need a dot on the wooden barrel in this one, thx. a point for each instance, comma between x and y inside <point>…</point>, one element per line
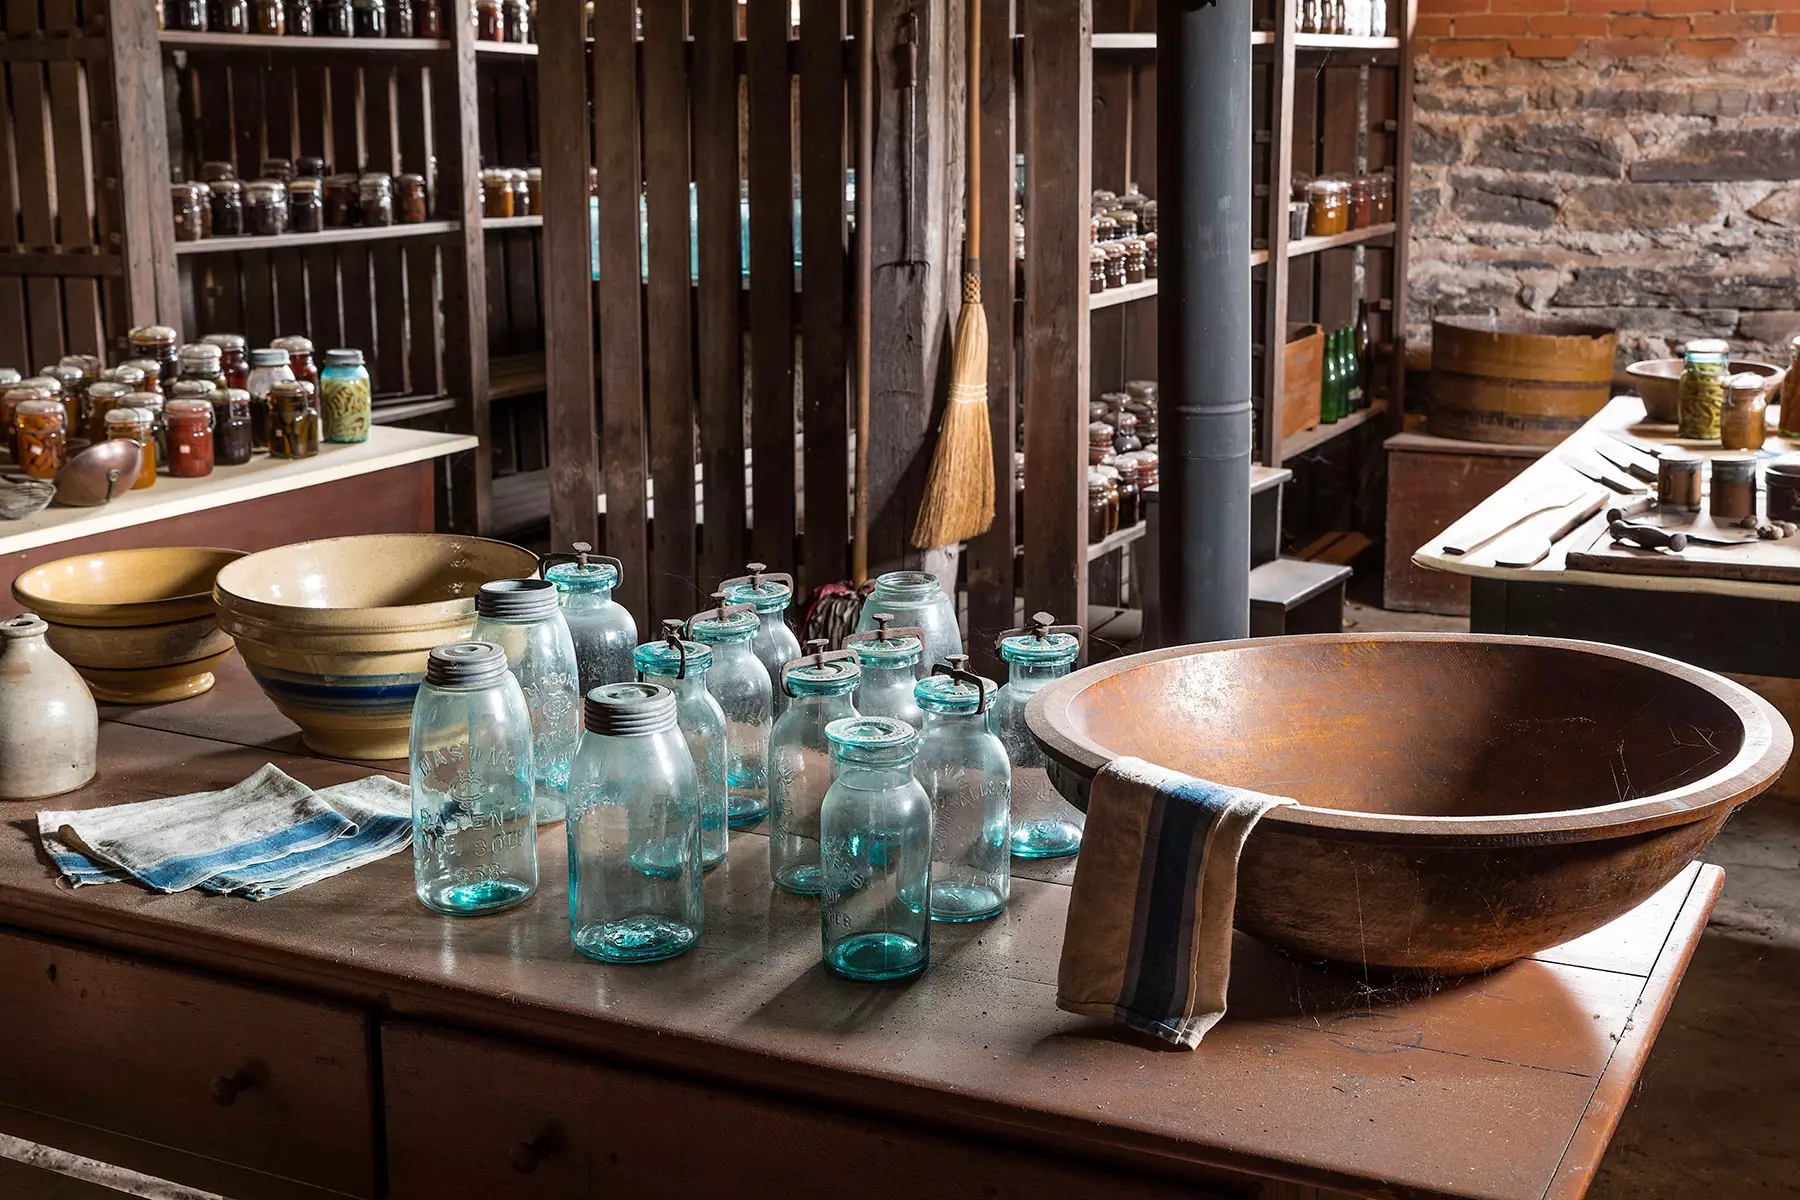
<point>1517,379</point>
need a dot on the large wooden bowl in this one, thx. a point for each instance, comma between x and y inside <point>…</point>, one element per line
<point>1465,800</point>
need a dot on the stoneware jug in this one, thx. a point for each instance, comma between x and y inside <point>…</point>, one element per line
<point>49,726</point>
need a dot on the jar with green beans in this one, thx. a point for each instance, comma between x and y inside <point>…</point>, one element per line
<point>344,397</point>
<point>1703,388</point>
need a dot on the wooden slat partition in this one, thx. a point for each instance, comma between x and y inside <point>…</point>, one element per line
<point>771,173</point>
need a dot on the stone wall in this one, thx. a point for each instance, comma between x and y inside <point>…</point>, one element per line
<point>1640,168</point>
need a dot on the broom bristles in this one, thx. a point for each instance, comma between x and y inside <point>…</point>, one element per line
<point>959,489</point>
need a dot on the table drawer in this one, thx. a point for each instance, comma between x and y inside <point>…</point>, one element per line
<point>526,1125</point>
<point>174,1060</point>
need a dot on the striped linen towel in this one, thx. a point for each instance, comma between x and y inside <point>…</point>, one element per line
<point>262,837</point>
<point>1148,939</point>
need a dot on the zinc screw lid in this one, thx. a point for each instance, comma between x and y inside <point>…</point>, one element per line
<point>628,710</point>
<point>517,600</point>
<point>465,665</point>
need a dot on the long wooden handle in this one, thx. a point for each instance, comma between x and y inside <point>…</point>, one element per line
<point>972,248</point>
<point>865,281</point>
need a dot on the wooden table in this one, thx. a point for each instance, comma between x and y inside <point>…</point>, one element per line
<point>383,485</point>
<point>1722,624</point>
<point>369,1048</point>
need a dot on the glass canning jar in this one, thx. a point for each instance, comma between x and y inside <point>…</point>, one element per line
<point>345,406</point>
<point>40,438</point>
<point>515,21</point>
<point>740,683</point>
<point>769,594</point>
<point>227,198</point>
<point>293,420</point>
<point>875,839</point>
<point>634,829</point>
<point>490,16</point>
<point>1702,388</point>
<point>498,198</point>
<point>523,618</point>
<point>963,768</point>
<point>400,19</point>
<point>681,666</point>
<point>428,19</point>
<point>234,362</point>
<point>103,395</point>
<point>1327,207</point>
<point>819,688</point>
<point>231,427</point>
<point>474,849</point>
<point>604,631</point>
<point>889,658</point>
<point>152,404</point>
<point>410,193</point>
<point>528,200</point>
<point>267,368</point>
<point>188,16</point>
<point>370,18</point>
<point>135,424</point>
<point>188,200</point>
<point>228,16</point>
<point>337,18</point>
<point>914,598</point>
<point>1035,655</point>
<point>341,210</point>
<point>302,19</point>
<point>190,437</point>
<point>200,362</point>
<point>266,207</point>
<point>300,357</point>
<point>306,206</point>
<point>375,199</point>
<point>269,17</point>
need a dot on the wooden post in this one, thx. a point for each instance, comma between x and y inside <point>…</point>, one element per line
<point>568,287</point>
<point>1403,114</point>
<point>1058,89</point>
<point>1275,282</point>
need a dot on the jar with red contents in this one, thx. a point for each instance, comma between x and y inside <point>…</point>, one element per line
<point>234,361</point>
<point>428,19</point>
<point>300,358</point>
<point>1362,196</point>
<point>190,425</point>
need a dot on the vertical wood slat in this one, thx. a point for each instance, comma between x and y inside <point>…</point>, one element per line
<point>771,169</point>
<point>1403,108</point>
<point>138,107</point>
<point>720,342</point>
<point>620,297</point>
<point>465,305</point>
<point>989,567</point>
<point>246,84</point>
<point>823,310</point>
<point>568,291</point>
<point>258,296</point>
<point>388,360</point>
<point>349,137</point>
<point>668,301</point>
<point>36,178</point>
<point>71,127</point>
<point>424,332</point>
<point>1057,88</point>
<point>1274,316</point>
<point>14,347</point>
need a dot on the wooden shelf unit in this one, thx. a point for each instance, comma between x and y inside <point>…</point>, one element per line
<point>328,237</point>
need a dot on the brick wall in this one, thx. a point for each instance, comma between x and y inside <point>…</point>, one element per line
<point>1592,159</point>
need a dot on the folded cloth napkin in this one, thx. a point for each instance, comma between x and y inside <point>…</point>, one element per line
<point>263,837</point>
<point>1148,939</point>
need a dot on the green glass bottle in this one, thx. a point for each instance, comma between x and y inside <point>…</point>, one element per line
<point>1328,385</point>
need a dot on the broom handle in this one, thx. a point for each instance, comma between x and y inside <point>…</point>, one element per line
<point>865,282</point>
<point>972,247</point>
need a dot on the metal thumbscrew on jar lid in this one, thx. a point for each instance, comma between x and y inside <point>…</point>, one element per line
<point>517,599</point>
<point>465,665</point>
<point>628,710</point>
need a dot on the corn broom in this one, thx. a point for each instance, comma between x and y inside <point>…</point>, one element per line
<point>959,489</point>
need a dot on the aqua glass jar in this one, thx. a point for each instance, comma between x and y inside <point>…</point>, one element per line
<point>605,633</point>
<point>819,687</point>
<point>1041,652</point>
<point>914,598</point>
<point>741,685</point>
<point>875,838</point>
<point>962,767</point>
<point>522,617</point>
<point>346,397</point>
<point>889,658</point>
<point>634,829</point>
<point>681,667</point>
<point>770,595</point>
<point>474,848</point>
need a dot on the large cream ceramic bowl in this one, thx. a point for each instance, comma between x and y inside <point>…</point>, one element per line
<point>336,632</point>
<point>139,625</point>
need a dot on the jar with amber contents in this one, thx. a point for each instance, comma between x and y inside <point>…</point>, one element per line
<point>1789,424</point>
<point>1360,195</point>
<point>103,395</point>
<point>190,425</point>
<point>1096,268</point>
<point>341,210</point>
<point>293,421</point>
<point>428,19</point>
<point>189,205</point>
<point>140,375</point>
<point>156,343</point>
<point>497,193</point>
<point>529,201</point>
<point>1744,417</point>
<point>1102,506</point>
<point>410,193</point>
<point>269,17</point>
<point>1381,198</point>
<point>1135,266</point>
<point>21,393</point>
<point>135,425</point>
<point>300,357</point>
<point>1327,207</point>
<point>231,427</point>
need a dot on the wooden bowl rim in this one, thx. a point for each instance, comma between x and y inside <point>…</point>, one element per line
<point>370,618</point>
<point>123,613</point>
<point>1758,763</point>
<point>1645,368</point>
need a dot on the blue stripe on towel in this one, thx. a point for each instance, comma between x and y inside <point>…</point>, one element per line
<point>184,871</point>
<point>1174,852</point>
<point>371,839</point>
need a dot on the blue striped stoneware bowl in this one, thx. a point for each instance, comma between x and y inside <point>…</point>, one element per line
<point>336,632</point>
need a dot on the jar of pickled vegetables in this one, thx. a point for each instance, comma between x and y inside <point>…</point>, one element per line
<point>190,425</point>
<point>135,424</point>
<point>293,421</point>
<point>344,397</point>
<point>1702,388</point>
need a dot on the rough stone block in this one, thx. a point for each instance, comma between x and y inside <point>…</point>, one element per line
<point>1654,287</point>
<point>1771,328</point>
<point>1780,207</point>
<point>1566,148</point>
<point>1726,155</point>
<point>1520,202</point>
<point>1434,146</point>
<point>1621,207</point>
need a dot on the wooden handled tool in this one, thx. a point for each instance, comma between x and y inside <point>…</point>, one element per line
<point>1655,537</point>
<point>1600,473</point>
<point>1638,444</point>
<point>1491,527</point>
<point>1626,463</point>
<point>1528,548</point>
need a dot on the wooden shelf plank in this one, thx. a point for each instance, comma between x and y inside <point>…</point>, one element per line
<point>174,39</point>
<point>1124,295</point>
<point>1333,41</point>
<point>329,237</point>
<point>498,223</point>
<point>1124,41</point>
<point>1351,237</point>
<point>507,49</point>
<point>1318,435</point>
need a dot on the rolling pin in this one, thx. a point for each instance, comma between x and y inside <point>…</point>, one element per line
<point>1528,549</point>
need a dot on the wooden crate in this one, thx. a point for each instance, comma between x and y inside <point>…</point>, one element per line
<point>1303,375</point>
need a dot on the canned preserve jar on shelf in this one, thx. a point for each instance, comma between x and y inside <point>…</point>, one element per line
<point>523,617</point>
<point>228,16</point>
<point>769,593</point>
<point>300,357</point>
<point>306,206</point>
<point>269,17</point>
<point>964,770</point>
<point>103,395</point>
<point>345,405</point>
<point>190,437</point>
<point>515,21</point>
<point>819,688</point>
<point>914,598</point>
<point>266,208</point>
<point>337,18</point>
<point>375,199</point>
<point>1035,655</point>
<point>1327,207</point>
<point>474,848</point>
<point>267,369</point>
<point>134,424</point>
<point>231,427</point>
<point>681,666</point>
<point>604,631</point>
<point>410,199</point>
<point>634,830</point>
<point>190,204</point>
<point>293,420</point>
<point>301,18</point>
<point>227,199</point>
<point>889,658</point>
<point>741,684</point>
<point>370,18</point>
<point>341,211</point>
<point>875,839</point>
<point>490,21</point>
<point>234,361</point>
<point>428,19</point>
<point>40,438</point>
<point>497,195</point>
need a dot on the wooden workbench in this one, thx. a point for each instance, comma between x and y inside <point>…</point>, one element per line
<point>371,1048</point>
<point>1744,627</point>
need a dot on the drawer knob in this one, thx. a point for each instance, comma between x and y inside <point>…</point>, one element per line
<point>225,1088</point>
<point>525,1156</point>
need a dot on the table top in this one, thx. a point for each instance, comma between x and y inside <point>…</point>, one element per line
<point>263,475</point>
<point>1624,414</point>
<point>1419,442</point>
<point>1506,1086</point>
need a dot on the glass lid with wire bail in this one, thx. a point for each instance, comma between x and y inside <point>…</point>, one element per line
<point>582,571</point>
<point>673,657</point>
<point>724,624</point>
<point>769,591</point>
<point>887,646</point>
<point>957,691</point>
<point>1041,643</point>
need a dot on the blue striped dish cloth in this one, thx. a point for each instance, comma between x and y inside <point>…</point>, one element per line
<point>264,836</point>
<point>1148,938</point>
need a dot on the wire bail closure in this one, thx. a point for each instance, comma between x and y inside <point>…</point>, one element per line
<point>883,632</point>
<point>756,574</point>
<point>583,556</point>
<point>722,611</point>
<point>1041,626</point>
<point>817,655</point>
<point>955,666</point>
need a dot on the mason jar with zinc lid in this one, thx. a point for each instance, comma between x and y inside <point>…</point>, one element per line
<point>1702,389</point>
